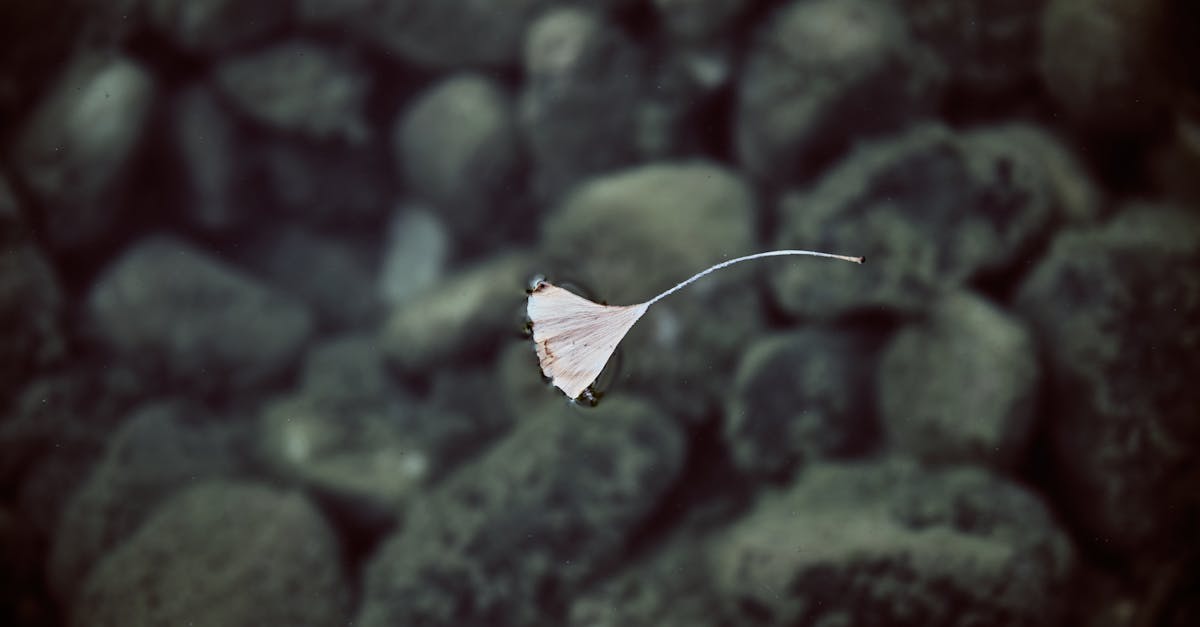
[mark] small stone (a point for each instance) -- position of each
(800, 397)
(1097, 62)
(822, 75)
(522, 386)
(78, 142)
(578, 108)
(159, 449)
(667, 589)
(414, 257)
(1117, 310)
(989, 47)
(930, 210)
(961, 385)
(469, 309)
(698, 20)
(332, 277)
(207, 142)
(216, 26)
(268, 556)
(181, 315)
(31, 301)
(300, 87)
(348, 368)
(325, 186)
(522, 528)
(890, 543)
(632, 234)
(458, 146)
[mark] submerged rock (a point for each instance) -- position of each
(414, 256)
(1117, 310)
(188, 318)
(206, 140)
(630, 235)
(798, 398)
(78, 142)
(458, 148)
(930, 210)
(299, 87)
(160, 449)
(890, 543)
(508, 539)
(822, 75)
(580, 99)
(268, 556)
(961, 385)
(216, 26)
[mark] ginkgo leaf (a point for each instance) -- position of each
(574, 337)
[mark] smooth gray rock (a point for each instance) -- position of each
(458, 147)
(1117, 311)
(988, 47)
(78, 142)
(801, 397)
(268, 557)
(206, 139)
(961, 384)
(930, 209)
(579, 102)
(31, 301)
(824, 74)
(217, 26)
(889, 543)
(669, 588)
(632, 234)
(415, 255)
(161, 448)
(188, 318)
(519, 531)
(1097, 61)
(471, 308)
(299, 87)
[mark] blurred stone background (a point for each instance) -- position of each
(261, 272)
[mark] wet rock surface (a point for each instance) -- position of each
(983, 409)
(187, 317)
(938, 206)
(1116, 310)
(801, 397)
(269, 555)
(216, 26)
(509, 538)
(890, 542)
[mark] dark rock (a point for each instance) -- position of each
(189, 318)
(1076, 194)
(211, 156)
(824, 74)
(469, 309)
(522, 388)
(630, 235)
(988, 47)
(414, 256)
(78, 142)
(56, 429)
(692, 21)
(800, 397)
(508, 539)
(267, 556)
(667, 589)
(160, 449)
(325, 185)
(348, 368)
(930, 210)
(22, 598)
(1097, 62)
(217, 26)
(334, 278)
(452, 34)
(1117, 310)
(458, 147)
(961, 385)
(300, 87)
(31, 301)
(578, 107)
(891, 544)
